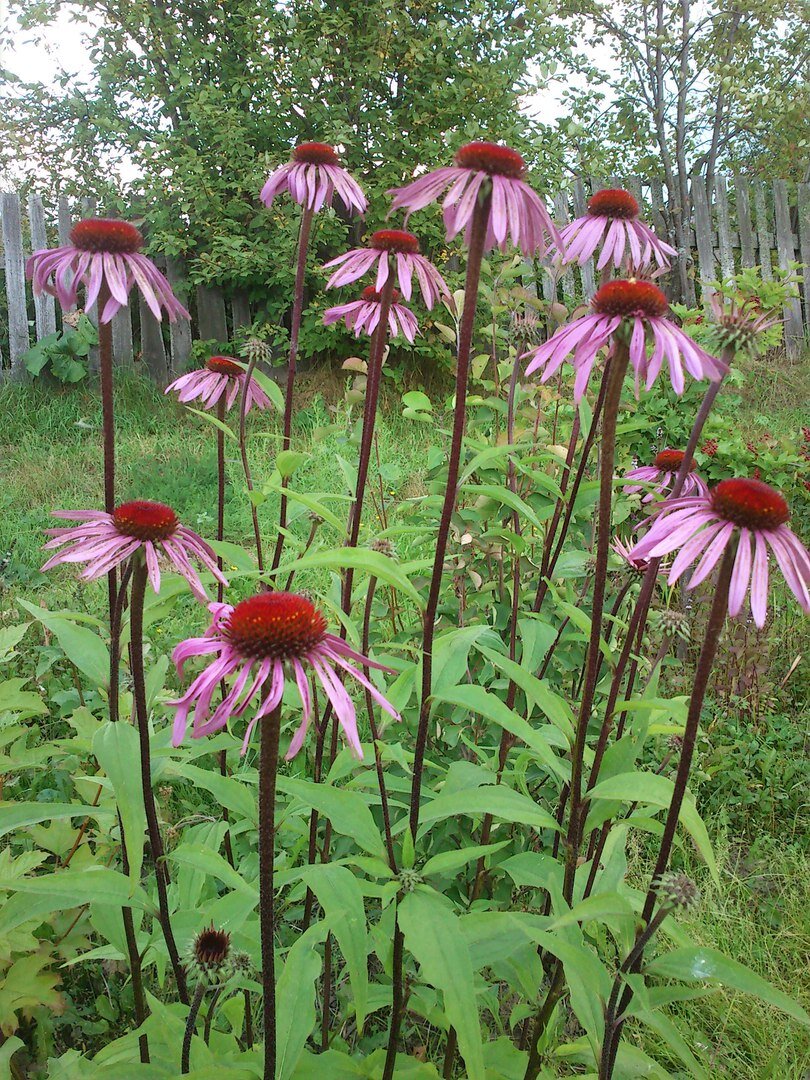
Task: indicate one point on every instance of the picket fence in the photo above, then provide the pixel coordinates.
(740, 223)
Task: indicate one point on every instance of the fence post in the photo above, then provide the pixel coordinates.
(724, 230)
(211, 314)
(804, 247)
(153, 350)
(180, 331)
(703, 236)
(763, 232)
(586, 272)
(240, 310)
(786, 253)
(18, 338)
(44, 305)
(747, 256)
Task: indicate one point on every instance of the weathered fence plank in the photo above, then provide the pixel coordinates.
(747, 242)
(703, 236)
(587, 272)
(153, 351)
(658, 209)
(65, 224)
(123, 354)
(786, 253)
(180, 331)
(18, 339)
(240, 310)
(44, 305)
(804, 245)
(724, 229)
(211, 314)
(763, 230)
(561, 218)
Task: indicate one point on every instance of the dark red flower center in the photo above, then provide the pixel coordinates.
(211, 946)
(490, 158)
(315, 153)
(223, 365)
(106, 234)
(145, 520)
(613, 202)
(394, 240)
(630, 297)
(749, 504)
(371, 294)
(671, 461)
(275, 625)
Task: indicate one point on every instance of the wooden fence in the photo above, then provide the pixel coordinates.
(741, 223)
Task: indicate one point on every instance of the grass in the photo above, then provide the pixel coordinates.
(51, 452)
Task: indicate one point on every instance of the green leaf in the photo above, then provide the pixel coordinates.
(270, 386)
(16, 700)
(415, 399)
(82, 647)
(212, 864)
(595, 908)
(288, 461)
(448, 862)
(17, 815)
(227, 790)
(72, 888)
(10, 636)
(117, 750)
(220, 425)
(554, 707)
(346, 810)
(489, 705)
(651, 788)
(433, 936)
(341, 898)
(698, 964)
(311, 503)
(369, 562)
(507, 498)
(295, 997)
(495, 799)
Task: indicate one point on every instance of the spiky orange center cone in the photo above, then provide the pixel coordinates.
(145, 520)
(395, 240)
(613, 202)
(671, 461)
(106, 235)
(315, 153)
(751, 504)
(491, 158)
(223, 365)
(629, 297)
(276, 625)
(211, 947)
(371, 294)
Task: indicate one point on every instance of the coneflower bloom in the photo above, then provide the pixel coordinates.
(744, 511)
(313, 177)
(518, 213)
(103, 250)
(662, 473)
(220, 375)
(263, 640)
(623, 550)
(612, 220)
(104, 541)
(363, 315)
(641, 307)
(387, 246)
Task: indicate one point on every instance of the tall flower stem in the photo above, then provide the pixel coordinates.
(223, 754)
(295, 329)
(268, 768)
(386, 812)
(711, 639)
(115, 642)
(139, 577)
(615, 380)
(105, 364)
(477, 238)
(257, 536)
(135, 968)
(191, 1021)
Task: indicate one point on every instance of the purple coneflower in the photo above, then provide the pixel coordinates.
(221, 375)
(639, 566)
(404, 247)
(312, 178)
(518, 213)
(363, 315)
(704, 525)
(266, 635)
(613, 216)
(103, 250)
(104, 541)
(662, 473)
(643, 306)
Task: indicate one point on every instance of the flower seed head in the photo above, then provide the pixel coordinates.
(256, 349)
(371, 295)
(630, 297)
(315, 153)
(677, 891)
(671, 461)
(223, 365)
(145, 520)
(395, 241)
(383, 545)
(106, 235)
(671, 624)
(209, 958)
(750, 504)
(409, 879)
(490, 158)
(276, 625)
(613, 203)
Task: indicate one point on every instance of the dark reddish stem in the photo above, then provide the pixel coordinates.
(295, 329)
(223, 754)
(714, 627)
(245, 463)
(477, 239)
(142, 716)
(386, 813)
(105, 364)
(268, 768)
(191, 1022)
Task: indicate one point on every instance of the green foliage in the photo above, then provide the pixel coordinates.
(63, 354)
